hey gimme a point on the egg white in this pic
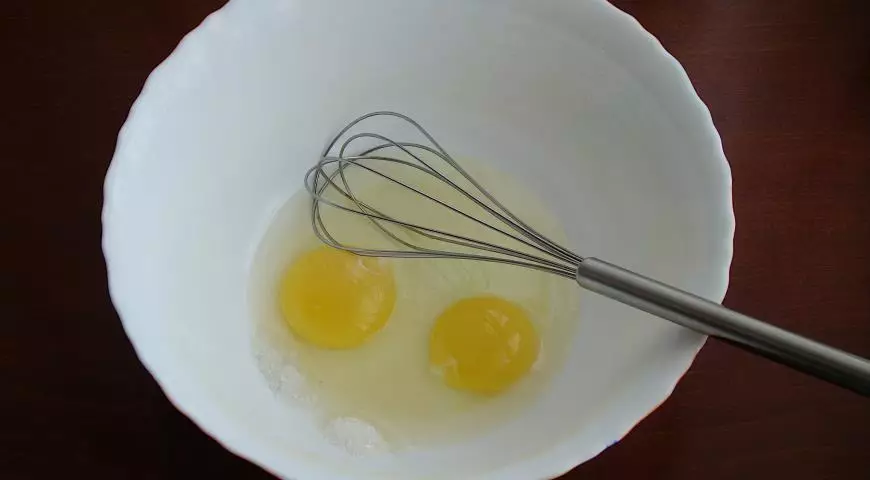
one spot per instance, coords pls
(386, 384)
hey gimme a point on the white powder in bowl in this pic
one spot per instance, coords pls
(355, 436)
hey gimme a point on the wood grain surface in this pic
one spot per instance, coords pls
(788, 84)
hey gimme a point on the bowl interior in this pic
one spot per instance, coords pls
(574, 98)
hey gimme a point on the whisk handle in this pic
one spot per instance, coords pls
(704, 316)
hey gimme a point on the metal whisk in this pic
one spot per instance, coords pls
(521, 245)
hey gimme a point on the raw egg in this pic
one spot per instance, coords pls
(391, 353)
(483, 344)
(334, 299)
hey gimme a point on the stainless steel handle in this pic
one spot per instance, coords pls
(704, 316)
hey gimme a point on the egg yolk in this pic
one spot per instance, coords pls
(335, 299)
(483, 344)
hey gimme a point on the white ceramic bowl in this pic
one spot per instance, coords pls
(572, 96)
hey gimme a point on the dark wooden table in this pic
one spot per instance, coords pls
(788, 83)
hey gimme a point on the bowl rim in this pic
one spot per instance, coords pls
(547, 464)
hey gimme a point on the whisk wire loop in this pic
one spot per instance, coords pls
(529, 248)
